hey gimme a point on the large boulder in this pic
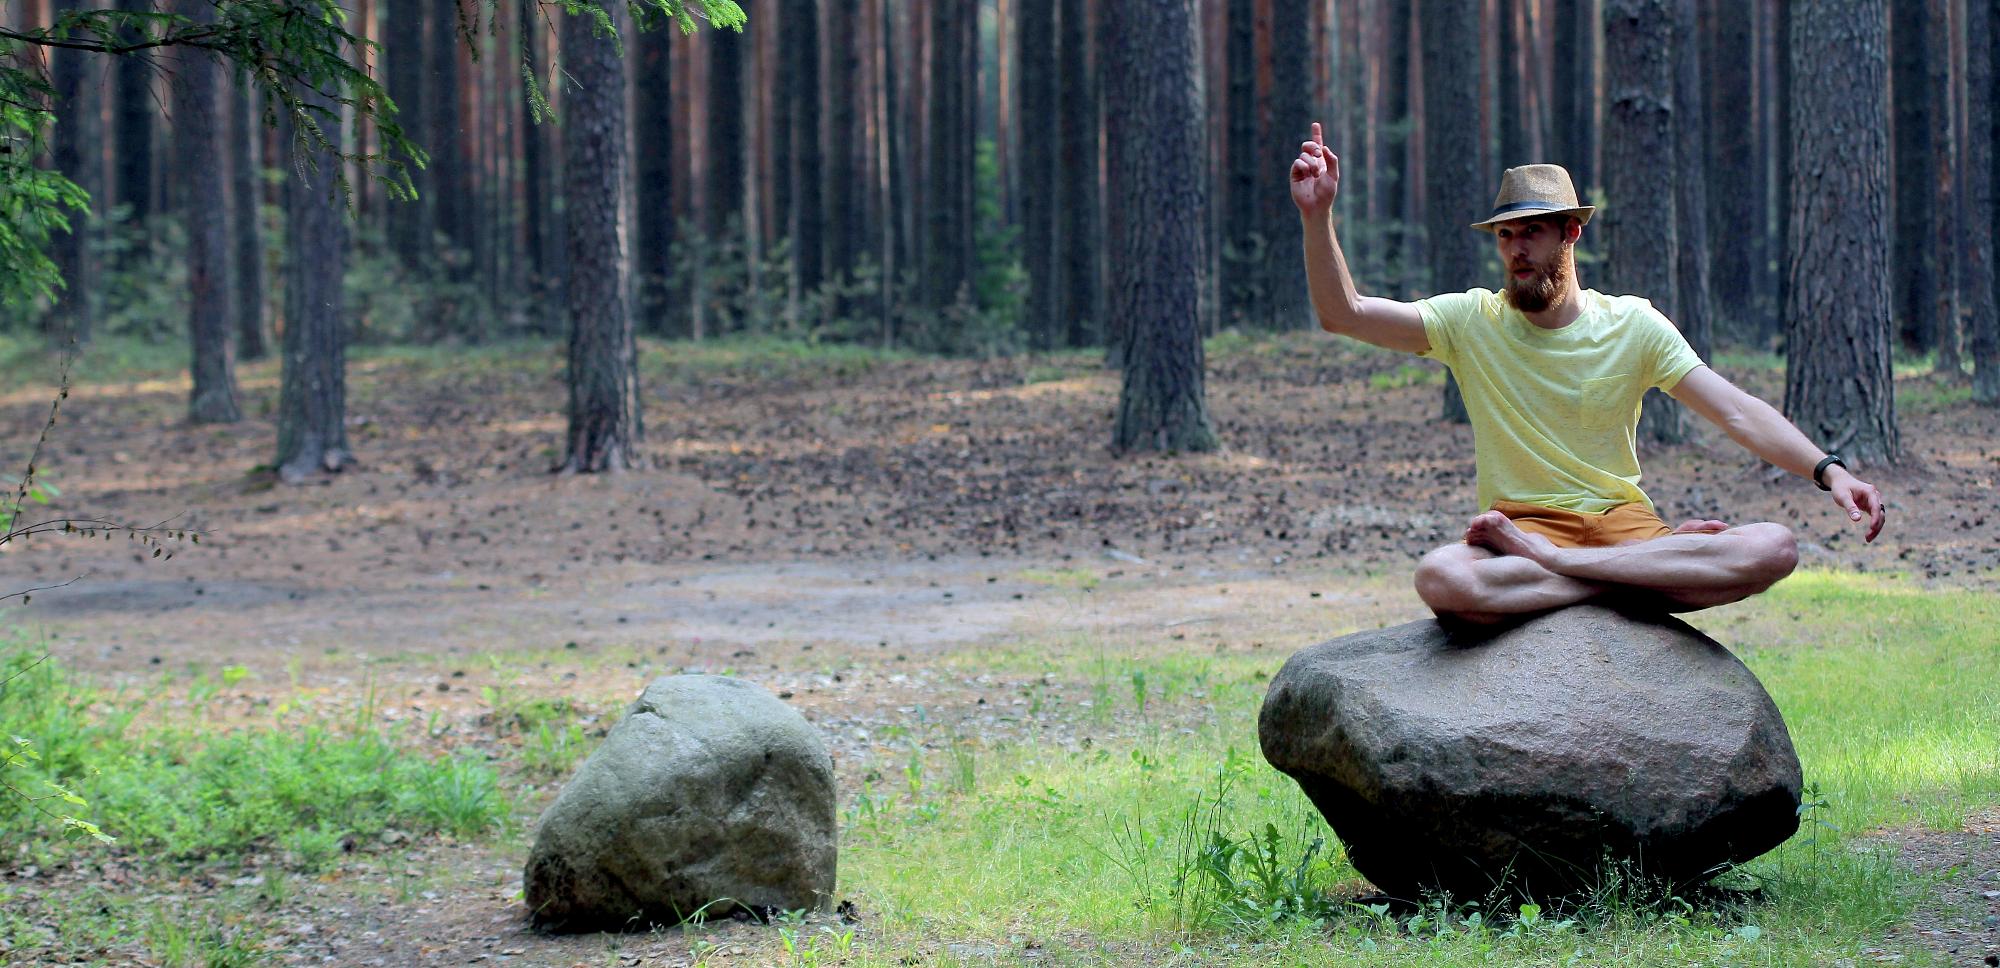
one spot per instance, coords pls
(1460, 760)
(709, 795)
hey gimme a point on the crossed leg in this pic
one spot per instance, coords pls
(1501, 571)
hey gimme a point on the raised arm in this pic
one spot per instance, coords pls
(1340, 306)
(1763, 431)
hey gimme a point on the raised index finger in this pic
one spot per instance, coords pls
(1317, 139)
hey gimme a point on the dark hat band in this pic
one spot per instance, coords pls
(1530, 206)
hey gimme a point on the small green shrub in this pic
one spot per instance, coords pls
(180, 791)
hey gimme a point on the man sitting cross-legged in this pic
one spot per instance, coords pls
(1553, 375)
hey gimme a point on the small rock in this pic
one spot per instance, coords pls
(709, 790)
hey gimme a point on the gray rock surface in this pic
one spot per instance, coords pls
(1455, 759)
(710, 792)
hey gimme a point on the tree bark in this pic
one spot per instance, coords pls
(1153, 98)
(537, 178)
(204, 214)
(312, 379)
(1914, 188)
(1243, 261)
(1982, 313)
(77, 153)
(246, 228)
(1735, 171)
(1454, 190)
(653, 185)
(136, 114)
(605, 427)
(1944, 185)
(1838, 386)
(409, 222)
(450, 167)
(954, 67)
(1078, 190)
(1695, 316)
(1288, 303)
(1038, 128)
(799, 140)
(1640, 177)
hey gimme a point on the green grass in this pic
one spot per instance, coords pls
(172, 789)
(1174, 836)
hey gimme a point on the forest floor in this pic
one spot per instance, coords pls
(845, 526)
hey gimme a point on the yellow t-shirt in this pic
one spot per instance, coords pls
(1555, 412)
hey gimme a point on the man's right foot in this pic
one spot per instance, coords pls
(1493, 531)
(1701, 526)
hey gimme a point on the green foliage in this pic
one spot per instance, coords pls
(181, 791)
(34, 201)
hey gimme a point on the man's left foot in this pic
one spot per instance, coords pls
(1701, 526)
(1493, 531)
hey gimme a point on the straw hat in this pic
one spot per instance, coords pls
(1534, 190)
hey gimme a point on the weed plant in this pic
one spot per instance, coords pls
(178, 791)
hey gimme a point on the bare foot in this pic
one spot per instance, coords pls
(1701, 526)
(1491, 530)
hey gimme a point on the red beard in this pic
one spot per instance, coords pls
(1546, 289)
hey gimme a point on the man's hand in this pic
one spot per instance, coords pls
(1315, 177)
(1858, 497)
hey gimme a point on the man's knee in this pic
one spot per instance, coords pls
(1445, 580)
(1772, 553)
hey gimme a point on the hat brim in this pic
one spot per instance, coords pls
(1582, 214)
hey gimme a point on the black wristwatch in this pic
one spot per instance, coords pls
(1819, 469)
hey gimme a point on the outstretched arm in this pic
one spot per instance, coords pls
(1763, 431)
(1340, 306)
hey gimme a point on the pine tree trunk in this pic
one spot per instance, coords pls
(1695, 316)
(78, 154)
(1038, 129)
(1944, 186)
(135, 112)
(312, 380)
(800, 139)
(1513, 102)
(653, 127)
(722, 199)
(1291, 114)
(1735, 171)
(1455, 191)
(1914, 188)
(1640, 176)
(536, 207)
(246, 226)
(450, 165)
(1782, 145)
(1153, 89)
(845, 237)
(1078, 191)
(1982, 313)
(1400, 163)
(1243, 262)
(954, 67)
(205, 215)
(605, 427)
(1838, 387)
(410, 223)
(1117, 328)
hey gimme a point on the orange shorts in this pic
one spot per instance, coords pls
(1575, 529)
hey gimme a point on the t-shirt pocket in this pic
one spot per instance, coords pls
(1605, 402)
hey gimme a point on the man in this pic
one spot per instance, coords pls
(1552, 375)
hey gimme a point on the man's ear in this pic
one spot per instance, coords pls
(1572, 230)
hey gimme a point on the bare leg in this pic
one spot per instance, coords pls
(1690, 569)
(1474, 584)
